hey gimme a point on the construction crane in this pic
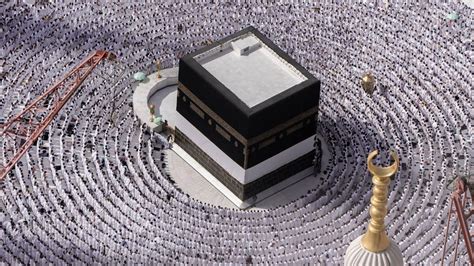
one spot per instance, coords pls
(30, 123)
(458, 199)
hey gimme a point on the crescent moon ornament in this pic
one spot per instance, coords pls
(383, 171)
(376, 239)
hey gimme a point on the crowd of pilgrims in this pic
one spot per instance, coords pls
(95, 187)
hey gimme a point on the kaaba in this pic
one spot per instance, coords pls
(252, 112)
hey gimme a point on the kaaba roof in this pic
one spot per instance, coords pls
(253, 76)
(248, 81)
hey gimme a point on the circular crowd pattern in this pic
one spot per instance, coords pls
(95, 188)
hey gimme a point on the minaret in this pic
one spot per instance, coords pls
(374, 247)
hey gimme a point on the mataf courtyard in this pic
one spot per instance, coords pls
(101, 186)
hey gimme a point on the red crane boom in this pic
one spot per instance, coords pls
(30, 123)
(459, 198)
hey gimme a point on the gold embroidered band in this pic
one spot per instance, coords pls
(246, 142)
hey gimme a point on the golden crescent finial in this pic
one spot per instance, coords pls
(376, 240)
(382, 171)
